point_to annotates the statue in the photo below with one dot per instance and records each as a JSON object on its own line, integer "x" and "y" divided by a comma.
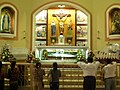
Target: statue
{"x": 70, "y": 25}
{"x": 38, "y": 32}
{"x": 53, "y": 28}
{"x": 61, "y": 17}
{"x": 6, "y": 22}
{"x": 43, "y": 33}
{"x": 70, "y": 28}
{"x": 115, "y": 22}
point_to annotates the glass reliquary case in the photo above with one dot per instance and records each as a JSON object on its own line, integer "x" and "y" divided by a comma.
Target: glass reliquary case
{"x": 61, "y": 53}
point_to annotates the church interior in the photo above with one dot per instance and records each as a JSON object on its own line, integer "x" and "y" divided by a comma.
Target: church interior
{"x": 62, "y": 31}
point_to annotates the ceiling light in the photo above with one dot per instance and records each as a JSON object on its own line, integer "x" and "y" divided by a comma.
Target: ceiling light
{"x": 61, "y": 6}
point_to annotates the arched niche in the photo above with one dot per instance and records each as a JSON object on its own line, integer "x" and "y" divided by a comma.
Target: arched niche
{"x": 71, "y": 4}
{"x": 8, "y": 21}
{"x": 113, "y": 22}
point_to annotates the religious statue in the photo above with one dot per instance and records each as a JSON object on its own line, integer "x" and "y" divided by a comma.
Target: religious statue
{"x": 70, "y": 27}
{"x": 43, "y": 33}
{"x": 61, "y": 17}
{"x": 38, "y": 32}
{"x": 6, "y": 22}
{"x": 53, "y": 28}
{"x": 115, "y": 22}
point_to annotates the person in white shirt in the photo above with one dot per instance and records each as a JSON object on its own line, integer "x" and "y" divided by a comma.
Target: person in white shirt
{"x": 109, "y": 75}
{"x": 89, "y": 73}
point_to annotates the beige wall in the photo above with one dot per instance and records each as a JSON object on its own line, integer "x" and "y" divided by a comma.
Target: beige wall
{"x": 97, "y": 9}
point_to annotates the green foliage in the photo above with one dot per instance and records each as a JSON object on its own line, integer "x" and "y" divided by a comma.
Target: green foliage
{"x": 80, "y": 56}
{"x": 6, "y": 55}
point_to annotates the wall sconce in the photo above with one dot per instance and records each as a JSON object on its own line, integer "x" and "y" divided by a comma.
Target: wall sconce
{"x": 98, "y": 34}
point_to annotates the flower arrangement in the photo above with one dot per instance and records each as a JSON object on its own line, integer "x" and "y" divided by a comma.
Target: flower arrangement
{"x": 80, "y": 56}
{"x": 6, "y": 55}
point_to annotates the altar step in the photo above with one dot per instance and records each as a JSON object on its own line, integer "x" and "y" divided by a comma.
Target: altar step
{"x": 71, "y": 79}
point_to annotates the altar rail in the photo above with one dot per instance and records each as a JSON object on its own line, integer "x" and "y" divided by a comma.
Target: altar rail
{"x": 72, "y": 76}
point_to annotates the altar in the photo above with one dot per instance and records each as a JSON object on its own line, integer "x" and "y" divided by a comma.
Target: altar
{"x": 62, "y": 54}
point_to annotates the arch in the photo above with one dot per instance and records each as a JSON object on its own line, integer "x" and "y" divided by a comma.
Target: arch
{"x": 54, "y": 3}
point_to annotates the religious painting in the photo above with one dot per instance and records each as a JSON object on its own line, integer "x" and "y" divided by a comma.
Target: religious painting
{"x": 113, "y": 22}
{"x": 41, "y": 31}
{"x": 81, "y": 17}
{"x": 41, "y": 17}
{"x": 8, "y": 21}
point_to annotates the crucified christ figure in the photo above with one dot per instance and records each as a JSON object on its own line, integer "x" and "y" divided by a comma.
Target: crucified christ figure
{"x": 61, "y": 17}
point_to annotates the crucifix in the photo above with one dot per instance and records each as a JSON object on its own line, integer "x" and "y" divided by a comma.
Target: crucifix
{"x": 61, "y": 17}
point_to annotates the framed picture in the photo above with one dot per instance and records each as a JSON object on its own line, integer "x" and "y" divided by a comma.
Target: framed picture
{"x": 113, "y": 22}
{"x": 41, "y": 31}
